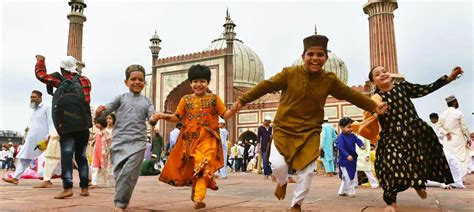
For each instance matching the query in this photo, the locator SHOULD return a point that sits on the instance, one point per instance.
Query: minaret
(76, 23)
(155, 52)
(229, 36)
(383, 50)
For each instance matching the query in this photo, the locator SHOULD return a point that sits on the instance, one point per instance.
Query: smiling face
(136, 82)
(314, 58)
(347, 129)
(381, 77)
(199, 86)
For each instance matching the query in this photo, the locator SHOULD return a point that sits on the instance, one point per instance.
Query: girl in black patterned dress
(408, 153)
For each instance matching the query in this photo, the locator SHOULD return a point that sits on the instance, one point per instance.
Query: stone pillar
(76, 22)
(383, 51)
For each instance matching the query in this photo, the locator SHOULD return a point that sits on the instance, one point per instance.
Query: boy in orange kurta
(198, 151)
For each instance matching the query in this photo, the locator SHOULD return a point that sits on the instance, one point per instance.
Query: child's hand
(236, 107)
(99, 110)
(349, 158)
(455, 73)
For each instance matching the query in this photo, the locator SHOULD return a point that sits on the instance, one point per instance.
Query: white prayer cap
(240, 142)
(69, 63)
(10, 143)
(268, 118)
(221, 121)
(154, 156)
(326, 118)
(450, 98)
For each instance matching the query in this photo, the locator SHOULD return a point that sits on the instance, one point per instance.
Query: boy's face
(347, 129)
(314, 58)
(199, 86)
(98, 126)
(136, 82)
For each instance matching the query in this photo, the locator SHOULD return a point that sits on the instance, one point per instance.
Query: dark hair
(132, 68)
(179, 124)
(452, 103)
(345, 121)
(433, 115)
(113, 117)
(371, 78)
(37, 93)
(102, 122)
(199, 72)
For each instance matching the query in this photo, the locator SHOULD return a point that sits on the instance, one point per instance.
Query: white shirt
(174, 137)
(3, 155)
(39, 127)
(240, 152)
(251, 151)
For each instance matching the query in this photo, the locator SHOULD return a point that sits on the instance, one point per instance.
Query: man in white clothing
(174, 136)
(452, 161)
(452, 126)
(223, 134)
(39, 127)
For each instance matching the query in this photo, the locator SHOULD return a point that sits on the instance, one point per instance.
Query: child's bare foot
(118, 209)
(422, 193)
(280, 191)
(390, 208)
(199, 204)
(296, 208)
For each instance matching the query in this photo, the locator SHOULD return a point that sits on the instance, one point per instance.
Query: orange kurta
(197, 154)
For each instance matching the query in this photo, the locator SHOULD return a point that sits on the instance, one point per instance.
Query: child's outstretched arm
(167, 117)
(228, 114)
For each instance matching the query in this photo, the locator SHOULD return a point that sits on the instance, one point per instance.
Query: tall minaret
(229, 36)
(383, 50)
(76, 22)
(155, 52)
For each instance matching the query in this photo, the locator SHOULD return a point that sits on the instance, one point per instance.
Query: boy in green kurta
(299, 117)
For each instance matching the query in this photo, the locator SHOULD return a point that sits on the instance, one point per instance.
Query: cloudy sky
(431, 36)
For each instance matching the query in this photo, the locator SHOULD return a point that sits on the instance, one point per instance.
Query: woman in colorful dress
(408, 152)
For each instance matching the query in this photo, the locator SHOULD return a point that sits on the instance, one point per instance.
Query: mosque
(236, 68)
(169, 82)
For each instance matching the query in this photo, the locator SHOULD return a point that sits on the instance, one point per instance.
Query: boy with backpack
(72, 118)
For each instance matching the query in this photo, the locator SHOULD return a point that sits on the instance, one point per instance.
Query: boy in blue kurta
(347, 157)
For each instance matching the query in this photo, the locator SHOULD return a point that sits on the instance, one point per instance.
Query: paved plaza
(240, 192)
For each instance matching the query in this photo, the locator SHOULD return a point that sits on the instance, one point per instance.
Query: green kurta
(299, 117)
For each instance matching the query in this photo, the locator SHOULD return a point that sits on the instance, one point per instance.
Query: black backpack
(70, 111)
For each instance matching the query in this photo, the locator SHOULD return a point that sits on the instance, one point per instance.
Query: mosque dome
(248, 68)
(333, 64)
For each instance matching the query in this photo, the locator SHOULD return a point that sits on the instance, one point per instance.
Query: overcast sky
(431, 36)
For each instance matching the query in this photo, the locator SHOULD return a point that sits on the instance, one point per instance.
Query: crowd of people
(407, 152)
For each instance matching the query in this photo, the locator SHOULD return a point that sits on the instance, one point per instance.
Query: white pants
(374, 183)
(455, 172)
(280, 171)
(347, 185)
(95, 175)
(49, 167)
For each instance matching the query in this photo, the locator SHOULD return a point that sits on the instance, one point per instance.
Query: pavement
(239, 192)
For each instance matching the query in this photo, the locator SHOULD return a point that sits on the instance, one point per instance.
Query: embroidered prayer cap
(315, 40)
(134, 67)
(450, 98)
(267, 118)
(68, 63)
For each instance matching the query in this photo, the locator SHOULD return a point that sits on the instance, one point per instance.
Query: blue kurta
(328, 136)
(346, 145)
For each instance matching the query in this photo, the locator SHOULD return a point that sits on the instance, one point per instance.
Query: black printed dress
(408, 153)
